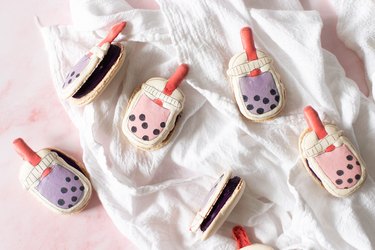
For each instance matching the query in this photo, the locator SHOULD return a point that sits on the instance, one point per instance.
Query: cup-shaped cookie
(257, 87)
(330, 157)
(243, 241)
(153, 110)
(220, 202)
(54, 178)
(95, 70)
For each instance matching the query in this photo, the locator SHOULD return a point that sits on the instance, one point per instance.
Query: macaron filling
(100, 72)
(223, 198)
(68, 160)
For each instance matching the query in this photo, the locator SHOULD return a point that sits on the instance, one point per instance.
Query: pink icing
(341, 167)
(147, 120)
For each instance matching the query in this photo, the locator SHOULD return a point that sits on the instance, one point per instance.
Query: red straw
(26, 152)
(316, 125)
(115, 31)
(240, 235)
(248, 44)
(176, 79)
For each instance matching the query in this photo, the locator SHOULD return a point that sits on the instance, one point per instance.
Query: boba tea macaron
(54, 178)
(153, 110)
(330, 157)
(243, 241)
(257, 87)
(220, 202)
(95, 70)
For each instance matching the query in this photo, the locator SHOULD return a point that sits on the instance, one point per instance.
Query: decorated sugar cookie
(330, 157)
(54, 178)
(220, 201)
(92, 74)
(243, 242)
(153, 110)
(259, 93)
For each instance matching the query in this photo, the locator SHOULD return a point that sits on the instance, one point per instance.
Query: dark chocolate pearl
(77, 75)
(339, 172)
(350, 180)
(265, 100)
(70, 80)
(64, 190)
(250, 107)
(67, 179)
(338, 181)
(81, 188)
(273, 106)
(142, 117)
(357, 177)
(76, 178)
(61, 202)
(145, 138)
(72, 74)
(349, 166)
(73, 189)
(357, 162)
(260, 111)
(277, 98)
(132, 117)
(162, 124)
(156, 131)
(134, 129)
(273, 92)
(257, 98)
(245, 98)
(70, 205)
(349, 157)
(144, 125)
(74, 198)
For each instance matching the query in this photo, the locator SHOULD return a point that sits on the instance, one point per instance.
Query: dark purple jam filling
(100, 72)
(68, 160)
(224, 196)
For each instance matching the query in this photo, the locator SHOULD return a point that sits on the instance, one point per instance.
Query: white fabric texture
(152, 197)
(355, 27)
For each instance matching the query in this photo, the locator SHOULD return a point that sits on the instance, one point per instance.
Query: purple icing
(259, 93)
(100, 72)
(76, 70)
(224, 196)
(61, 187)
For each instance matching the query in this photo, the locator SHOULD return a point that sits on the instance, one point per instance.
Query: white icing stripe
(36, 172)
(322, 145)
(160, 95)
(247, 67)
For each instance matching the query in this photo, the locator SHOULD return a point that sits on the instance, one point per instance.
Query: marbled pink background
(29, 108)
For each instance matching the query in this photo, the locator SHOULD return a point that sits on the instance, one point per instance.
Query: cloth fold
(152, 197)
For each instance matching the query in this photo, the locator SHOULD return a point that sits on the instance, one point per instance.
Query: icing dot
(349, 166)
(144, 125)
(64, 190)
(142, 117)
(134, 129)
(70, 80)
(77, 75)
(277, 98)
(67, 179)
(156, 131)
(273, 92)
(260, 111)
(76, 178)
(339, 172)
(273, 106)
(71, 74)
(132, 117)
(257, 98)
(357, 162)
(162, 124)
(61, 202)
(73, 189)
(357, 177)
(350, 180)
(338, 181)
(349, 157)
(250, 107)
(70, 205)
(265, 100)
(245, 98)
(145, 138)
(74, 198)
(81, 188)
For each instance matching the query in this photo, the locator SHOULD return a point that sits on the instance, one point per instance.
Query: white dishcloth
(152, 197)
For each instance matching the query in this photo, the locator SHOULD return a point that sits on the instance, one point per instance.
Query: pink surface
(29, 108)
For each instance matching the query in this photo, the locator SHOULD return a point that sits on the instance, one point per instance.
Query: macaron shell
(257, 247)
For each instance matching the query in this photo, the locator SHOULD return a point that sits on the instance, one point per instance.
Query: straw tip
(18, 141)
(309, 109)
(245, 30)
(184, 67)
